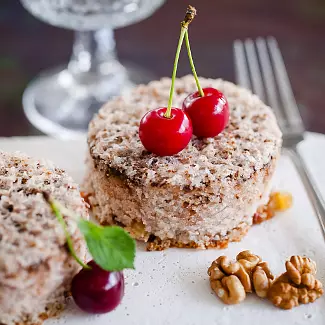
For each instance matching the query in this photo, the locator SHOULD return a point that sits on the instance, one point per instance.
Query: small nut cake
(202, 197)
(36, 268)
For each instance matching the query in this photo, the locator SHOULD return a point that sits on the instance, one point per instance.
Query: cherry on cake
(36, 268)
(204, 196)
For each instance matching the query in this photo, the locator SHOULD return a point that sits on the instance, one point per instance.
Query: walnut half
(300, 269)
(296, 286)
(228, 280)
(232, 280)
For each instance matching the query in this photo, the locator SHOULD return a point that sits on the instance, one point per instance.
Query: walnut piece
(262, 279)
(300, 268)
(307, 295)
(230, 290)
(251, 275)
(228, 266)
(248, 260)
(282, 294)
(297, 285)
(229, 280)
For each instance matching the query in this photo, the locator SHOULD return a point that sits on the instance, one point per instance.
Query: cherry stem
(190, 14)
(56, 210)
(172, 87)
(188, 47)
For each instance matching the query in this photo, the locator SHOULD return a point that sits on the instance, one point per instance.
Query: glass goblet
(61, 102)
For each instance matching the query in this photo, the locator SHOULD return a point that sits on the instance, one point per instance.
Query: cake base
(234, 235)
(148, 215)
(154, 243)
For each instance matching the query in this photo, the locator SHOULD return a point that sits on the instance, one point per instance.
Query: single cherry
(165, 136)
(97, 291)
(165, 131)
(207, 108)
(209, 113)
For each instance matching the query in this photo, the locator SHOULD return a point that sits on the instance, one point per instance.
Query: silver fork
(260, 67)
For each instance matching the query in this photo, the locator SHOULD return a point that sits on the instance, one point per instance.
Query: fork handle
(312, 190)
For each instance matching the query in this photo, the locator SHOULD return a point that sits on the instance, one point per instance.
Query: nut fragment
(229, 290)
(214, 271)
(307, 295)
(298, 267)
(228, 280)
(266, 269)
(297, 285)
(309, 280)
(245, 279)
(228, 266)
(243, 270)
(262, 279)
(248, 260)
(282, 294)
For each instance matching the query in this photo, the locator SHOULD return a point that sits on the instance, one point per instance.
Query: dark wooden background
(27, 46)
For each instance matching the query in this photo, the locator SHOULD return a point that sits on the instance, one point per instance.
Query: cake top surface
(251, 139)
(29, 231)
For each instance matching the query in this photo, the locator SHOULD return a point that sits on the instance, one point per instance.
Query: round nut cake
(206, 195)
(36, 268)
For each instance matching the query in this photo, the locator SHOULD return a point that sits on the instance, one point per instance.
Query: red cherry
(209, 114)
(97, 291)
(165, 136)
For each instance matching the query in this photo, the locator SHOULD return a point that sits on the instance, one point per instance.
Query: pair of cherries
(166, 131)
(204, 117)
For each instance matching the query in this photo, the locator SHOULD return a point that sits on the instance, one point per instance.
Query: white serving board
(172, 287)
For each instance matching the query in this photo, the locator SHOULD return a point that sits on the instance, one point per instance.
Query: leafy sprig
(111, 247)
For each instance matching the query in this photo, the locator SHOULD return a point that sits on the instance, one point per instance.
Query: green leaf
(55, 206)
(112, 248)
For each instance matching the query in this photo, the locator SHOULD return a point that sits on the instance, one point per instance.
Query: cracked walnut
(297, 285)
(232, 280)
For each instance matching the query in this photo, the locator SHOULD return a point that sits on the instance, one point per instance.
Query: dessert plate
(172, 286)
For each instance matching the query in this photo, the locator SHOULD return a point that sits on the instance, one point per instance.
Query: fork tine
(254, 69)
(289, 104)
(269, 80)
(242, 75)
